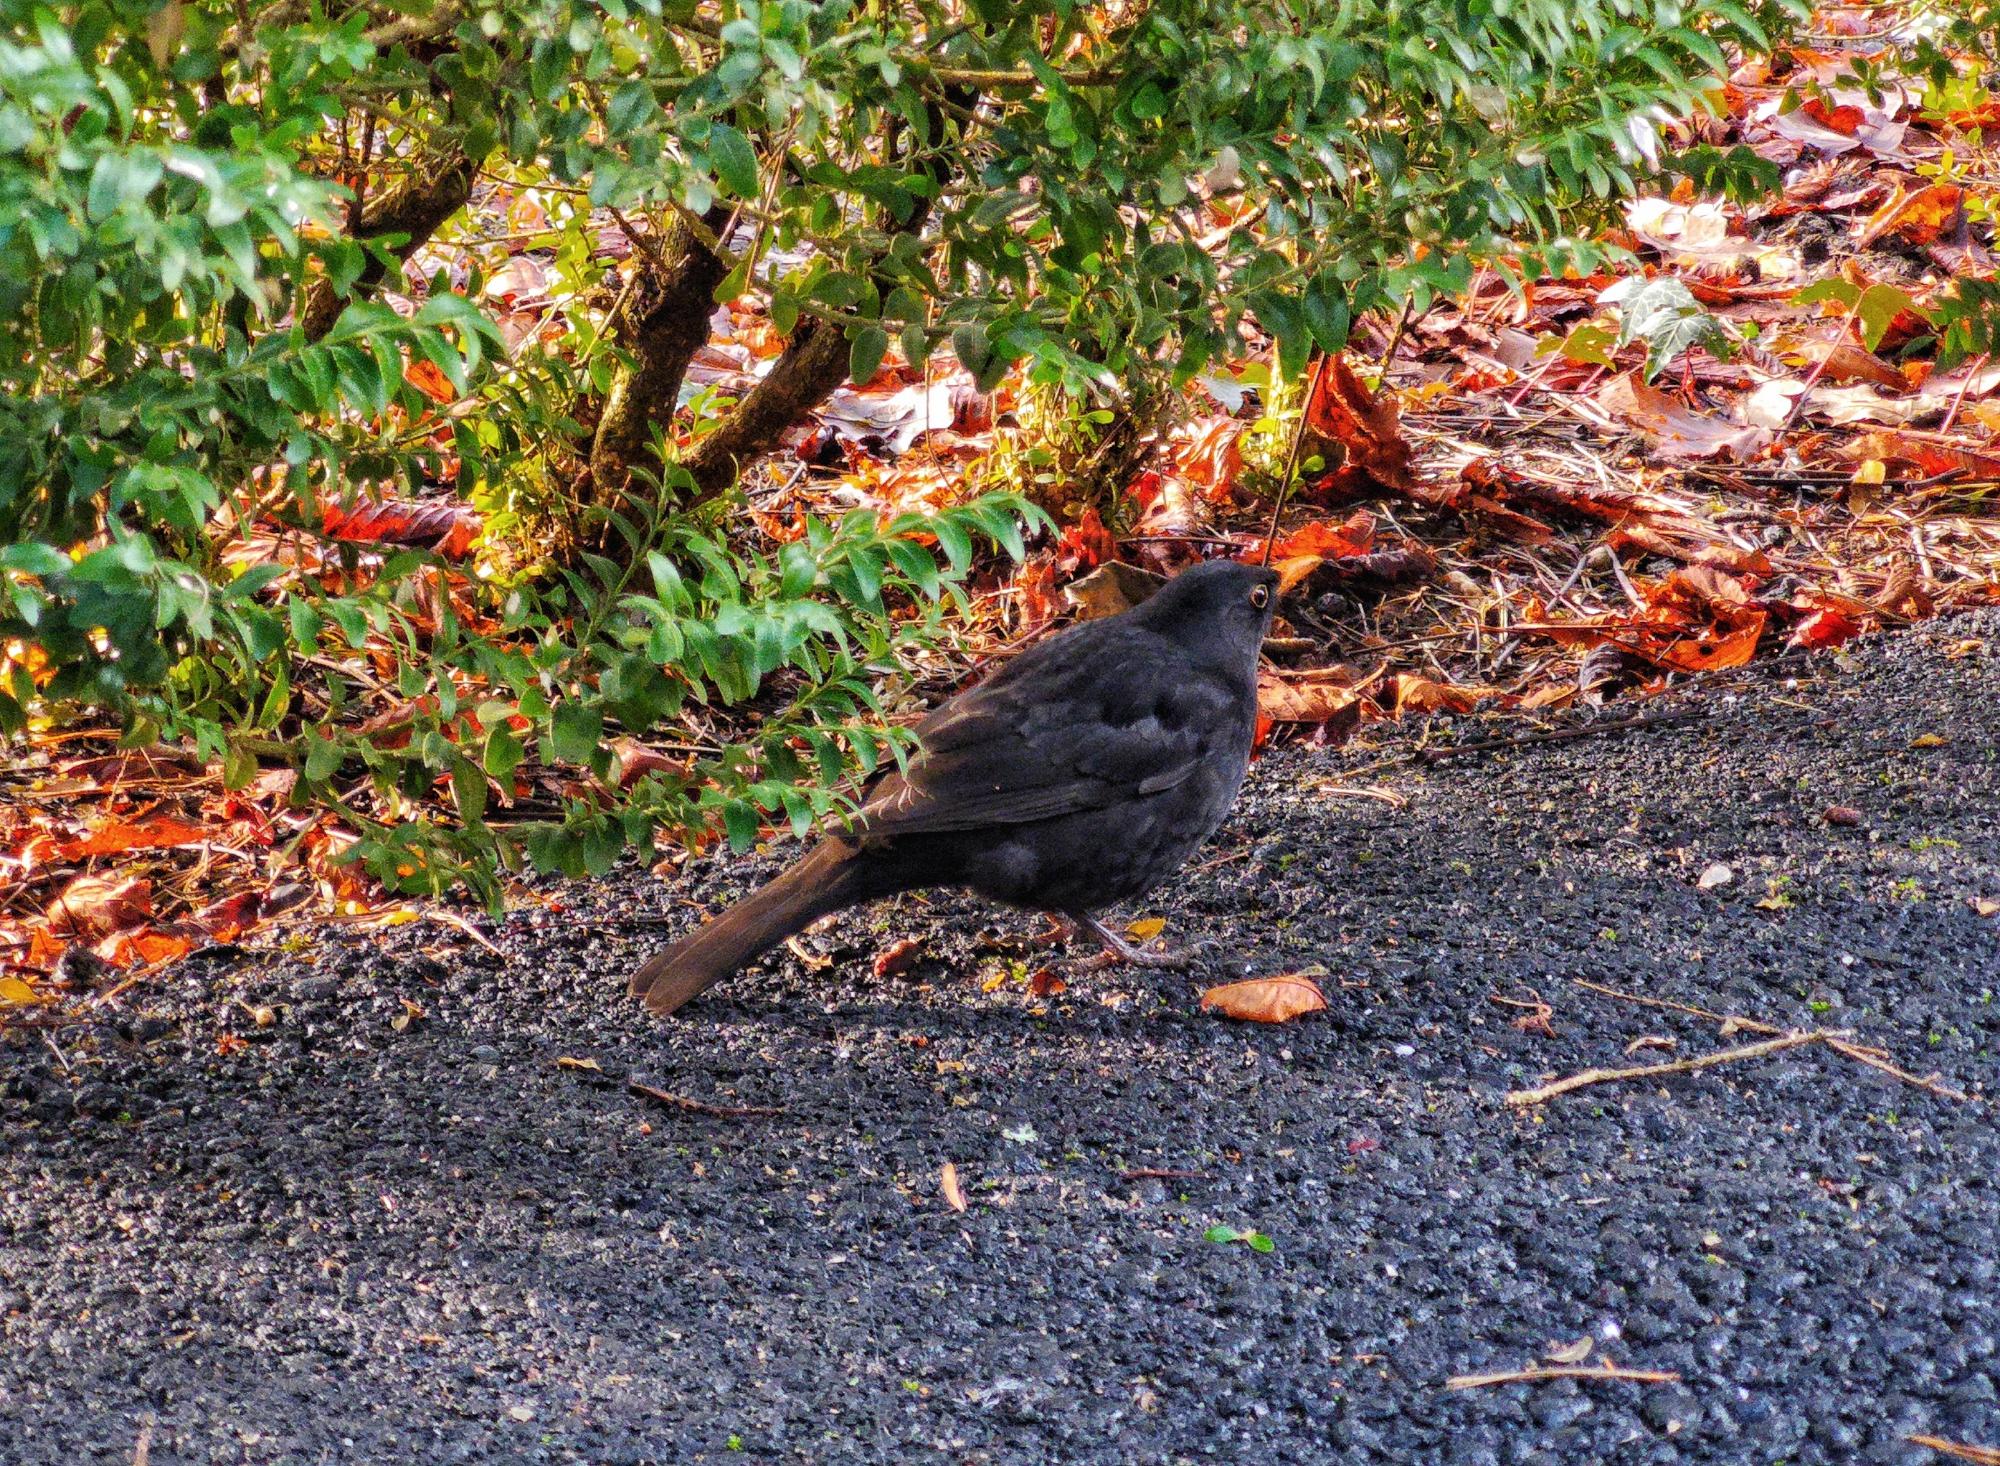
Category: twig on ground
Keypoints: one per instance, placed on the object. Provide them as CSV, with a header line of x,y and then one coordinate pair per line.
x,y
1521,1098
1562,1371
701,1107
1980,1455
1154,1173
1558,735
453,919
1363,791
1867,1054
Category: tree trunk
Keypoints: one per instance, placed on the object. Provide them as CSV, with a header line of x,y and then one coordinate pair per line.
x,y
662,322
416,205
813,364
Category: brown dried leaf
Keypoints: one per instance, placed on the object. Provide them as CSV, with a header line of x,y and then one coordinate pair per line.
x,y
115,837
1919,218
97,905
898,957
1674,430
1311,702
954,1195
1277,999
1368,426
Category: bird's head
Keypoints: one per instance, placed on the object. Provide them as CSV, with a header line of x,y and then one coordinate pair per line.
x,y
1220,610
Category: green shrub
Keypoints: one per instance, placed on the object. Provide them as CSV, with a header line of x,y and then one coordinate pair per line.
x,y
209,214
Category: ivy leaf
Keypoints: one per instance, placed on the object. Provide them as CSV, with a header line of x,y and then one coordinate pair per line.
x,y
1664,314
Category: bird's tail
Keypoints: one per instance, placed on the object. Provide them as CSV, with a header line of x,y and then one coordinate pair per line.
x,y
825,881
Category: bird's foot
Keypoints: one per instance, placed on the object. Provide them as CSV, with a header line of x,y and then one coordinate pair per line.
x,y
1117,949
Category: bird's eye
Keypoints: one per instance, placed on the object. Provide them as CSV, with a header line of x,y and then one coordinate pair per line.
x,y
1260,597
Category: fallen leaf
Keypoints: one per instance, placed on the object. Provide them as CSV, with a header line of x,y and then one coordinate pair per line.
x,y
1571,1353
1046,982
1276,999
1929,740
1844,361
1334,705
1146,928
14,992
1714,877
1675,431
1984,905
1918,218
96,905
1366,424
143,948
447,526
1109,589
954,1197
1845,815
115,837
898,957
565,1061
1407,693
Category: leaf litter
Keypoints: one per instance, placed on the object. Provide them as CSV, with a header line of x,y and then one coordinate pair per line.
x,y
1527,499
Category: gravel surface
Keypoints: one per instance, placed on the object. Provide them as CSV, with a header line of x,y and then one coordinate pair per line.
x,y
419,1217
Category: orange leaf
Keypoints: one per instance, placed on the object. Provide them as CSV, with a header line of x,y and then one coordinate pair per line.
x,y
1409,693
1277,999
1308,702
1823,628
954,1195
1367,426
1210,457
898,957
446,526
143,948
427,379
1920,218
114,837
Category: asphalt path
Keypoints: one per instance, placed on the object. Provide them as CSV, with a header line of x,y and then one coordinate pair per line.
x,y
419,1214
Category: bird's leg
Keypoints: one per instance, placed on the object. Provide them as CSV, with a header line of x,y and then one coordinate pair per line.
x,y
1117,949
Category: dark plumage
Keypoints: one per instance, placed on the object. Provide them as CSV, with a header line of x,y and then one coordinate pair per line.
x,y
1081,775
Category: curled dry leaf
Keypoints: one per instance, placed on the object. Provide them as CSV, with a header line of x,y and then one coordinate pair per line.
x,y
1277,999
1368,426
1919,218
898,957
1572,1353
954,1195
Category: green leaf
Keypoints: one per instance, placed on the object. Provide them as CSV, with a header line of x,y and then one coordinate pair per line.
x,y
575,732
867,345
733,159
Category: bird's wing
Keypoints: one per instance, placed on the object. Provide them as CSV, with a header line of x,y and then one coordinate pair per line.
x,y
1112,719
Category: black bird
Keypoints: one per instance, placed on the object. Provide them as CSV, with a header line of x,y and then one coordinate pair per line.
x,y
1081,775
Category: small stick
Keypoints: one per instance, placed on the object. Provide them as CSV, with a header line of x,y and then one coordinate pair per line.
x,y
1861,1053
1563,1371
1730,1021
1559,735
1151,1173
701,1107
1521,1098
1292,455
1876,1059
1978,1455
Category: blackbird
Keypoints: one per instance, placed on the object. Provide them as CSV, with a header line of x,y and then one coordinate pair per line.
x,y
1081,775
